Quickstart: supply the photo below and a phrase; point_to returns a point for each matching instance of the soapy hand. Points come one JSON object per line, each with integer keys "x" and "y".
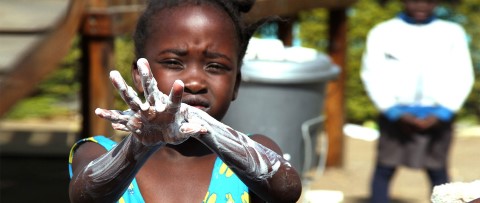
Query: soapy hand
{"x": 160, "y": 119}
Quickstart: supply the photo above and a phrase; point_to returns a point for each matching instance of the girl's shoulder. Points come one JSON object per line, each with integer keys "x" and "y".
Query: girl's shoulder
{"x": 87, "y": 149}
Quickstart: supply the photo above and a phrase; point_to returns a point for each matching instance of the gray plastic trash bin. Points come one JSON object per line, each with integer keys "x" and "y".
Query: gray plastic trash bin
{"x": 278, "y": 99}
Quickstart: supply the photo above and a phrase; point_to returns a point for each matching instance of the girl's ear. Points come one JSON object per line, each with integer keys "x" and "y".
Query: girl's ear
{"x": 238, "y": 80}
{"x": 136, "y": 78}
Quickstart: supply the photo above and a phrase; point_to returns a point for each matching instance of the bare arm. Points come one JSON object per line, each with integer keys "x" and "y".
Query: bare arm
{"x": 263, "y": 170}
{"x": 100, "y": 176}
{"x": 106, "y": 178}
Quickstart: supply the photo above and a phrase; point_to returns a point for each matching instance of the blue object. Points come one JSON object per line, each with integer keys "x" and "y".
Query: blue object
{"x": 394, "y": 113}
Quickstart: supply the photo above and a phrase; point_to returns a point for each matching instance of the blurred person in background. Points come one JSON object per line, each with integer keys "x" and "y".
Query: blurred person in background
{"x": 418, "y": 72}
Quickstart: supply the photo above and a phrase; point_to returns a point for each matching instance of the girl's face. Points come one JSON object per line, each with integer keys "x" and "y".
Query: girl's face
{"x": 420, "y": 10}
{"x": 198, "y": 45}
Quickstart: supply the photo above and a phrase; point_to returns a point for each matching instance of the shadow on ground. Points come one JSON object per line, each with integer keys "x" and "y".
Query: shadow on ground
{"x": 33, "y": 179}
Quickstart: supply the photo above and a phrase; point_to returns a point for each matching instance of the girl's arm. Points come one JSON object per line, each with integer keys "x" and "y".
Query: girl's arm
{"x": 100, "y": 176}
{"x": 263, "y": 170}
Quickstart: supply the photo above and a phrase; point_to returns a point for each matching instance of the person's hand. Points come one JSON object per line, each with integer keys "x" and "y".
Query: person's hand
{"x": 161, "y": 119}
{"x": 407, "y": 124}
{"x": 412, "y": 124}
{"x": 426, "y": 123}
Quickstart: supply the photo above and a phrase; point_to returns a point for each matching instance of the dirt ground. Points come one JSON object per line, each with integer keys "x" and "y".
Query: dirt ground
{"x": 408, "y": 186}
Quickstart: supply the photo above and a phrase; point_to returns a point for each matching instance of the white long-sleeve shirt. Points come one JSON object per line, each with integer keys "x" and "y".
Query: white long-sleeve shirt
{"x": 425, "y": 65}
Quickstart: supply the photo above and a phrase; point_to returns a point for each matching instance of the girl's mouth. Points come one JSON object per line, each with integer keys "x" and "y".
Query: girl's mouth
{"x": 197, "y": 102}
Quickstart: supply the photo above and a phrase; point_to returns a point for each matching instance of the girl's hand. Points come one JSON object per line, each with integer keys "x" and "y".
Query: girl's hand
{"x": 161, "y": 119}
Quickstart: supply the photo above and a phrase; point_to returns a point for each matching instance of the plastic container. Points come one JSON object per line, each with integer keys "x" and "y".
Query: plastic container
{"x": 283, "y": 100}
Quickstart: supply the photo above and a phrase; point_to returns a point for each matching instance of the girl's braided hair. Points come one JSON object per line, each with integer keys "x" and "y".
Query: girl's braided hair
{"x": 234, "y": 8}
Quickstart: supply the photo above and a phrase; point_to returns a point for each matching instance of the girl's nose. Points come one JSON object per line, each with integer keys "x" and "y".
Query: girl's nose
{"x": 195, "y": 81}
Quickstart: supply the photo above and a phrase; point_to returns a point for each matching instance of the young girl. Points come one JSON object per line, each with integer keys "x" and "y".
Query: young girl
{"x": 177, "y": 150}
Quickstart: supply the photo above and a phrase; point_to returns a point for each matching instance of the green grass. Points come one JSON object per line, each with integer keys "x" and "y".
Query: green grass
{"x": 39, "y": 107}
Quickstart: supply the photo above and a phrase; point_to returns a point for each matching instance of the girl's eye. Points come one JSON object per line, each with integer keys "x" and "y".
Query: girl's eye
{"x": 217, "y": 68}
{"x": 172, "y": 64}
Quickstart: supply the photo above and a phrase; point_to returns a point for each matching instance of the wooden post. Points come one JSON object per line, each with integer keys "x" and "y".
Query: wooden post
{"x": 285, "y": 31}
{"x": 98, "y": 53}
{"x": 335, "y": 104}
{"x": 102, "y": 23}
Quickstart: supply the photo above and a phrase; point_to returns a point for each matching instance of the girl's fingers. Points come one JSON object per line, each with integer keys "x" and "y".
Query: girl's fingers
{"x": 120, "y": 127}
{"x": 159, "y": 101}
{"x": 193, "y": 126}
{"x": 152, "y": 94}
{"x": 114, "y": 116}
{"x": 149, "y": 83}
{"x": 176, "y": 96}
{"x": 157, "y": 108}
{"x": 126, "y": 92}
{"x": 134, "y": 124}
{"x": 190, "y": 129}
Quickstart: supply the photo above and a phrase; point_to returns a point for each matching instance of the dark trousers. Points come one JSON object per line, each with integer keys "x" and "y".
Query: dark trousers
{"x": 383, "y": 175}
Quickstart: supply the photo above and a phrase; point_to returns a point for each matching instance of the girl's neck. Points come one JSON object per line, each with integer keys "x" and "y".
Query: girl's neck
{"x": 190, "y": 148}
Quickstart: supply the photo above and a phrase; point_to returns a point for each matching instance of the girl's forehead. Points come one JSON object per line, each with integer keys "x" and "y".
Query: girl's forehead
{"x": 205, "y": 28}
{"x": 207, "y": 11}
{"x": 203, "y": 16}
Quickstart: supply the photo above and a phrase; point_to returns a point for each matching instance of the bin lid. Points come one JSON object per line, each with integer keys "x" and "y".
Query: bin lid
{"x": 319, "y": 69}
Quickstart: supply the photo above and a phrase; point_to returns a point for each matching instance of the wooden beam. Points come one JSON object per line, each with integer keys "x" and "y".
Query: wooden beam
{"x": 335, "y": 99}
{"x": 285, "y": 31}
{"x": 97, "y": 91}
{"x": 123, "y": 17}
{"x": 41, "y": 58}
{"x": 97, "y": 39}
{"x": 102, "y": 24}
{"x": 112, "y": 21}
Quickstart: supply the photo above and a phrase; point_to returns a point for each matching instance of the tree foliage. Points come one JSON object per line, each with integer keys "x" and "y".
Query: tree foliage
{"x": 57, "y": 95}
